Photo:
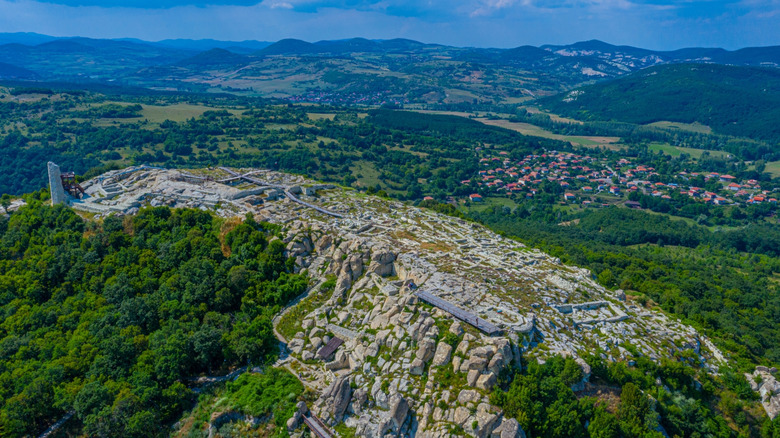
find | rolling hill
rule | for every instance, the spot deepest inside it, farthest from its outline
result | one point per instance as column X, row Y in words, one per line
column 8, row 71
column 351, row 71
column 739, row 101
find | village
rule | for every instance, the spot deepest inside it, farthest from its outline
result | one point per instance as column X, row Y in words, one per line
column 596, row 182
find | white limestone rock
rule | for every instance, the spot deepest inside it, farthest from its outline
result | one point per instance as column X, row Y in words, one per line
column 442, row 355
column 416, row 367
column 509, row 428
column 486, row 381
column 425, row 350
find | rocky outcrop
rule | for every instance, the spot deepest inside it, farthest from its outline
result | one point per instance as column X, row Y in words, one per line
column 219, row 418
column 486, row 420
column 416, row 367
column 336, row 398
column 426, row 349
column 382, row 262
column 442, row 355
column 295, row 421
column 509, row 428
column 399, row 409
column 486, row 381
column 764, row 382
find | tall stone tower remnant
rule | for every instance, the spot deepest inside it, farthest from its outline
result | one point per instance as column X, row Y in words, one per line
column 55, row 185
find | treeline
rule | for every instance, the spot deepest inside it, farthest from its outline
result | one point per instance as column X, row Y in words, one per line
column 111, row 320
column 111, row 111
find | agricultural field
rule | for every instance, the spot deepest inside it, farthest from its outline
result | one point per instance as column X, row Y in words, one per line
column 676, row 151
column 773, row 168
column 690, row 127
column 529, row 129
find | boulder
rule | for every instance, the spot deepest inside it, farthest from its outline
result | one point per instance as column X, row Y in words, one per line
column 337, row 397
column 381, row 400
column 359, row 399
column 463, row 347
column 486, row 381
column 355, row 267
column 425, row 351
column 372, row 350
column 496, row 363
column 294, row 421
column 477, row 363
column 296, row 345
column 486, row 420
column 343, row 283
column 456, row 329
column 382, row 262
column 472, row 377
column 456, row 363
column 416, row 367
column 484, row 352
column 461, row 415
column 467, row 396
column 509, row 428
column 380, row 321
column 399, row 408
column 442, row 355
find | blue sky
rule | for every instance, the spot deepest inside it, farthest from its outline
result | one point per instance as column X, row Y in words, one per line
column 654, row 24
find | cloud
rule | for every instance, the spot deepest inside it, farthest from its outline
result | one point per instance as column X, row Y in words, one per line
column 274, row 4
column 152, row 4
column 488, row 7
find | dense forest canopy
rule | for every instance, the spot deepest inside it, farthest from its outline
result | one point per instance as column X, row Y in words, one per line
column 111, row 319
column 738, row 101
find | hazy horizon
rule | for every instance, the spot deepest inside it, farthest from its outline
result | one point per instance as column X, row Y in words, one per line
column 239, row 41
column 651, row 24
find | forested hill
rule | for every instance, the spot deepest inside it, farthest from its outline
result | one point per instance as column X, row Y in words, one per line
column 108, row 319
column 739, row 101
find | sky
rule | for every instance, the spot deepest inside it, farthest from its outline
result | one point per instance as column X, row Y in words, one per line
column 652, row 24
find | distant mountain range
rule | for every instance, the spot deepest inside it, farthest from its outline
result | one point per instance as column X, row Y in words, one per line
column 356, row 70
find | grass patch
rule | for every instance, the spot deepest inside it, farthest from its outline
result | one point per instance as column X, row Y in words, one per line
column 773, row 168
column 676, row 151
column 290, row 322
column 271, row 396
column 690, row 127
column 491, row 201
column 179, row 112
column 274, row 393
column 536, row 131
